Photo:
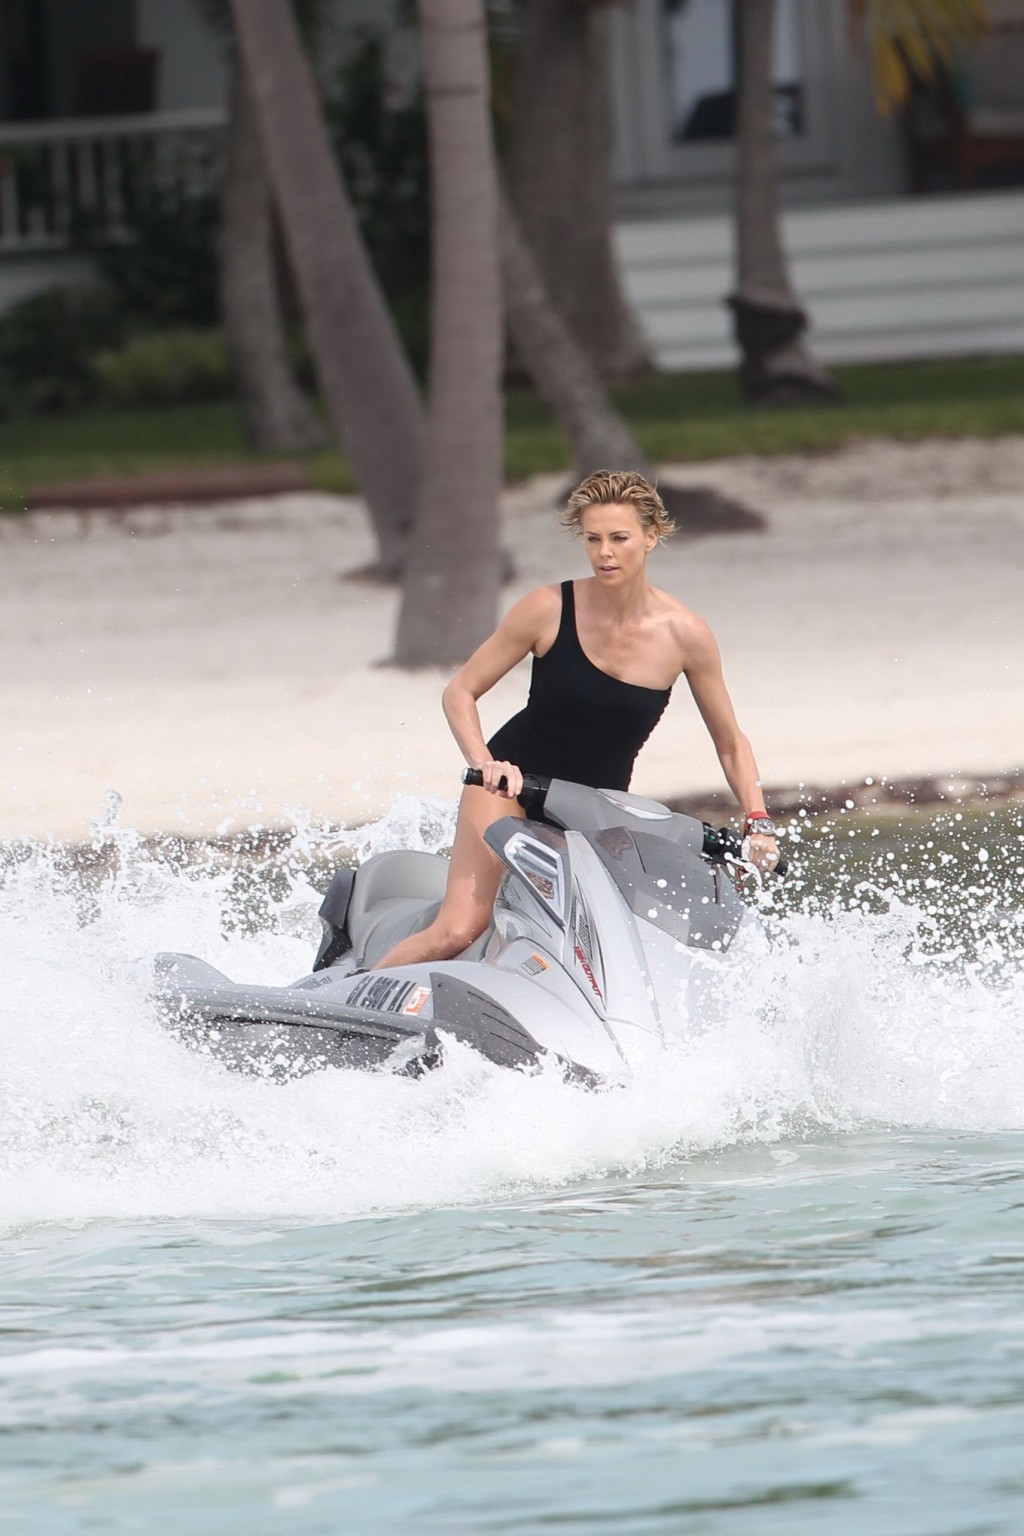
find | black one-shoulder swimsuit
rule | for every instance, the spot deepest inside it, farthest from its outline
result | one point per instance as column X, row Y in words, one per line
column 579, row 723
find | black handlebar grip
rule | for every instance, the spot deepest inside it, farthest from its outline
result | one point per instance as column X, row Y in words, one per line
column 535, row 789
column 474, row 777
column 723, row 842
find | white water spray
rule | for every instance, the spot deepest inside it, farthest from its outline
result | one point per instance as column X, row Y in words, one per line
column 862, row 1010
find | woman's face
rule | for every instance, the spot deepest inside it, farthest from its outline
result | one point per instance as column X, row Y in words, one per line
column 616, row 543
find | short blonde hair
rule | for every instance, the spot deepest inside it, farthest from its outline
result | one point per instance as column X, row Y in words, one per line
column 619, row 487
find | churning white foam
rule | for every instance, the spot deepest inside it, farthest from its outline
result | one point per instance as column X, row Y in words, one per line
column 848, row 1014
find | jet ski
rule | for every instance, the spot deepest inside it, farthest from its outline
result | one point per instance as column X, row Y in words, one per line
column 611, row 909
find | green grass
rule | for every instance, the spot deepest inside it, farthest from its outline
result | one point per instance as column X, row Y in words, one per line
column 692, row 416
column 677, row 416
column 36, row 450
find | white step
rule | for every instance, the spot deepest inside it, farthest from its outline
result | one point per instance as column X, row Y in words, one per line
column 913, row 278
column 819, row 276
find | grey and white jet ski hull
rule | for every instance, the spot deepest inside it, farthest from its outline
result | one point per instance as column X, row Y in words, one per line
column 610, row 908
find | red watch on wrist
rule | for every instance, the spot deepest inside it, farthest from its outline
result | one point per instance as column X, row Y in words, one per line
column 759, row 822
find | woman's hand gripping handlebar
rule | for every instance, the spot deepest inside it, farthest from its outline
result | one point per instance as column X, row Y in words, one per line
column 721, row 843
column 474, row 777
column 535, row 788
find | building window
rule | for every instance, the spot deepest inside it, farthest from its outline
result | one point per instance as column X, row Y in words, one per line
column 700, row 52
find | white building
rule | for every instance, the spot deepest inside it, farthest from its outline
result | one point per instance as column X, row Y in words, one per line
column 883, row 271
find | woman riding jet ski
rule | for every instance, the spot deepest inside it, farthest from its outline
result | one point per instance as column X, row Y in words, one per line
column 611, row 910
column 606, row 653
column 606, row 902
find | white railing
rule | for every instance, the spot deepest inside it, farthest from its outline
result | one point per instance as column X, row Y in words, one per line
column 58, row 176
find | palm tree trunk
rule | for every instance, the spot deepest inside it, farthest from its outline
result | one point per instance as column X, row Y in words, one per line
column 564, row 376
column 562, row 372
column 365, row 378
column 768, row 321
column 450, row 597
column 559, row 175
column 275, row 412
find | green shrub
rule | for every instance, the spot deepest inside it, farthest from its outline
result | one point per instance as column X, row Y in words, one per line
column 47, row 343
column 161, row 261
column 166, row 368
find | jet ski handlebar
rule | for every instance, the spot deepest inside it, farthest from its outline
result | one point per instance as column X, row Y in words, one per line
column 720, row 843
column 474, row 777
column 535, row 788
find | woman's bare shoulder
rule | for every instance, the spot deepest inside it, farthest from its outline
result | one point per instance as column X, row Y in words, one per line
column 533, row 614
column 529, row 623
column 689, row 630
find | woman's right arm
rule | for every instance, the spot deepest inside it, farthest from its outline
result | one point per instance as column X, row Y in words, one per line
column 526, row 623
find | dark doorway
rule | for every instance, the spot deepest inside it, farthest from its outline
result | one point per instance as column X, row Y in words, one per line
column 24, row 61
column 68, row 58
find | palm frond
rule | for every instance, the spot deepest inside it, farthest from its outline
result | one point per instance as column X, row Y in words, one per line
column 913, row 40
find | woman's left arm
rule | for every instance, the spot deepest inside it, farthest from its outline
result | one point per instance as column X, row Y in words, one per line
column 703, row 671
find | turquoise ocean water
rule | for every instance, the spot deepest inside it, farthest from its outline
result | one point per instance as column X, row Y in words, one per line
column 774, row 1286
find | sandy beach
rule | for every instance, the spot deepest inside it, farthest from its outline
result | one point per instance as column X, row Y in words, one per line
column 218, row 666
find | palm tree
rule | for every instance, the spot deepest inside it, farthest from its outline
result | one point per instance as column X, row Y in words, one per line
column 563, row 374
column 560, row 368
column 559, row 167
column 769, row 322
column 908, row 39
column 275, row 412
column 364, row 375
column 450, row 596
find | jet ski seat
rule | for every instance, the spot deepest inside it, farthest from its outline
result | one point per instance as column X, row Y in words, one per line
column 395, row 894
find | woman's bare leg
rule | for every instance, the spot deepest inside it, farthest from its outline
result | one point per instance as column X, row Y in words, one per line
column 473, row 880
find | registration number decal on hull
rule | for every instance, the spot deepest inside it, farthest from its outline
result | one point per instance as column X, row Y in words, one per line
column 389, row 994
